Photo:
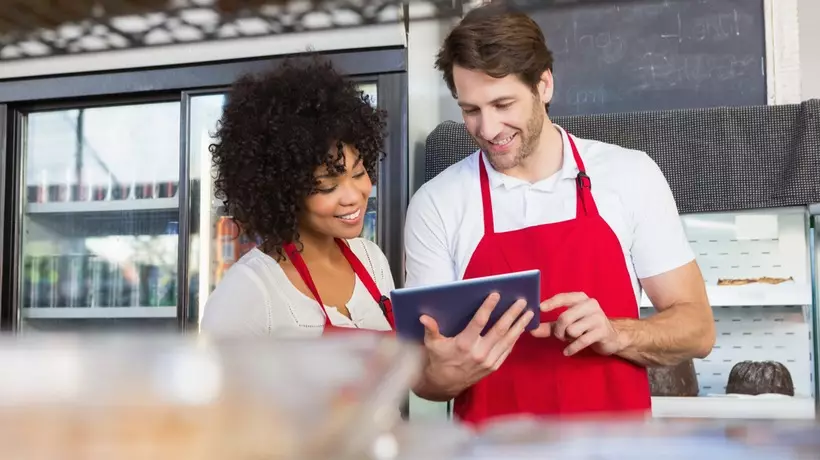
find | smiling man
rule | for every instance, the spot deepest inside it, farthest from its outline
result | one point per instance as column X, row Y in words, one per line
column 598, row 220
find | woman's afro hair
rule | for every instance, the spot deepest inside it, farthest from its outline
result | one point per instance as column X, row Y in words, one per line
column 277, row 128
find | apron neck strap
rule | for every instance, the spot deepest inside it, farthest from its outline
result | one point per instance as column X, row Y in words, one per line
column 359, row 269
column 486, row 200
column 368, row 281
column 584, row 203
column 299, row 264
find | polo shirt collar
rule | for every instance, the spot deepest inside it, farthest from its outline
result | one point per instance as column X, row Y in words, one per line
column 569, row 169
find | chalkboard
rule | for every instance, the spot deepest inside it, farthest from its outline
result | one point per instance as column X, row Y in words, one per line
column 625, row 56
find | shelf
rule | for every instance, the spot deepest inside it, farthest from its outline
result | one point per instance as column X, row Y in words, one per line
column 754, row 295
column 99, row 312
column 82, row 207
column 84, row 219
column 759, row 407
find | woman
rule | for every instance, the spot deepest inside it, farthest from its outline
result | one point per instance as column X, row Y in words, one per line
column 296, row 158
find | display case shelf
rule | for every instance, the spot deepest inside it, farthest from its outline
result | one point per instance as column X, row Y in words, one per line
column 102, row 223
column 99, row 312
column 753, row 407
column 110, row 206
column 754, row 295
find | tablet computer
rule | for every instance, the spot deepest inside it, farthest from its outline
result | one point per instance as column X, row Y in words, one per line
column 454, row 304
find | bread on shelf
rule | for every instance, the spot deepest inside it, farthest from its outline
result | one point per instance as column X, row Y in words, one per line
column 746, row 281
column 679, row 380
column 760, row 377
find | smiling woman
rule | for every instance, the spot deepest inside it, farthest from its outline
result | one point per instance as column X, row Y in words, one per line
column 296, row 156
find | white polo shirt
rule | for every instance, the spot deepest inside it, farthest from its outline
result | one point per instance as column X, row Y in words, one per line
column 444, row 222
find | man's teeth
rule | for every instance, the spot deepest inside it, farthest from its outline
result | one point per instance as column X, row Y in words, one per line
column 351, row 216
column 504, row 141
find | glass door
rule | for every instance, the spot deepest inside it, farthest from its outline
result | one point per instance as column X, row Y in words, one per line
column 100, row 218
column 216, row 243
column 370, row 217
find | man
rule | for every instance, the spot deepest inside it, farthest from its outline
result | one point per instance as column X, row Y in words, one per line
column 598, row 220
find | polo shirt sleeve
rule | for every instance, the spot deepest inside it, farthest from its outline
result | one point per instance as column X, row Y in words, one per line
column 659, row 242
column 238, row 307
column 428, row 258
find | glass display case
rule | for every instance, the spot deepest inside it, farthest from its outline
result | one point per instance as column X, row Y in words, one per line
column 756, row 265
column 100, row 217
column 216, row 242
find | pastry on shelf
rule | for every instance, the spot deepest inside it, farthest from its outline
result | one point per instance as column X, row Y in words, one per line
column 745, row 281
column 760, row 377
column 679, row 380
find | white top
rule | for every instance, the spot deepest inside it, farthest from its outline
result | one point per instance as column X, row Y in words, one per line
column 444, row 220
column 256, row 298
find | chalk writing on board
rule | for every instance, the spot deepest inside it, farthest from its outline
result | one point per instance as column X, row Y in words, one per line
column 655, row 54
column 713, row 27
column 665, row 70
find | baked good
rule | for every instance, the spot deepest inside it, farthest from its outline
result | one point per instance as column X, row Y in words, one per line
column 760, row 377
column 679, row 380
column 745, row 281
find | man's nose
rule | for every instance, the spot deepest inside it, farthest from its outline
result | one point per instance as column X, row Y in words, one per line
column 490, row 127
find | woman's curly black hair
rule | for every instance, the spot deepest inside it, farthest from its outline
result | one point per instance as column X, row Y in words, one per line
column 277, row 128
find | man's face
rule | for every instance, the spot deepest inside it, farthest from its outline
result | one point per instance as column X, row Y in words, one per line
column 502, row 114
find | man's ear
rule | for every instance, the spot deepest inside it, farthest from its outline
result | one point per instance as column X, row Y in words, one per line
column 545, row 87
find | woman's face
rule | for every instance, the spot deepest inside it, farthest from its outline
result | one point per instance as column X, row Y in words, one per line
column 338, row 206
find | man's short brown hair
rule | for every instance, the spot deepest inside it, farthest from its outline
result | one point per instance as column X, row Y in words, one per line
column 498, row 41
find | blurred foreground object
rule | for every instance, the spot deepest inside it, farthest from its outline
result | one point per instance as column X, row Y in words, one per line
column 174, row 397
column 614, row 439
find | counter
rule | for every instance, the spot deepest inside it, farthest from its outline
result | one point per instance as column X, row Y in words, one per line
column 731, row 407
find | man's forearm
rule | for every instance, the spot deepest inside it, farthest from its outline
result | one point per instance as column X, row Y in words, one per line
column 668, row 337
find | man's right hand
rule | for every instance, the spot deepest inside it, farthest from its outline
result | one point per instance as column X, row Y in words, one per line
column 456, row 363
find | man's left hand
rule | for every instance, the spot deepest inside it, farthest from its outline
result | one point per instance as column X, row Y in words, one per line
column 583, row 323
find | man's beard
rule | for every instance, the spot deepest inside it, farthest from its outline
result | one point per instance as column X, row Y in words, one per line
column 529, row 140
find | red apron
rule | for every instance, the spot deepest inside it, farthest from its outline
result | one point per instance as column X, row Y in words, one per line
column 579, row 255
column 361, row 272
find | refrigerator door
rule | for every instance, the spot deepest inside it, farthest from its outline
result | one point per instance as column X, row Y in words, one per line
column 100, row 218
column 216, row 243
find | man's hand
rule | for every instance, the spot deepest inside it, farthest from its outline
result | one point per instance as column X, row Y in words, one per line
column 456, row 363
column 583, row 323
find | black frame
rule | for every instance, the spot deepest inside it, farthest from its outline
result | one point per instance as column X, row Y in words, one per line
column 385, row 66
column 4, row 123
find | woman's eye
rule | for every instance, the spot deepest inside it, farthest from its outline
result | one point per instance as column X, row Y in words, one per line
column 360, row 174
column 325, row 190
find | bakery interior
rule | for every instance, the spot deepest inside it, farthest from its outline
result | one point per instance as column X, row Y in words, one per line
column 111, row 88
